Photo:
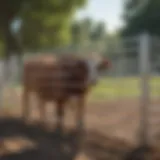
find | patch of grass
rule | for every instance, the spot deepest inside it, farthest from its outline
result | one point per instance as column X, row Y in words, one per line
column 127, row 87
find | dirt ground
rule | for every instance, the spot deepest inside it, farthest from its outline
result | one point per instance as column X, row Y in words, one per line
column 111, row 131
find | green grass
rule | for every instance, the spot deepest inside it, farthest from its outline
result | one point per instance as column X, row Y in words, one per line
column 130, row 87
column 113, row 88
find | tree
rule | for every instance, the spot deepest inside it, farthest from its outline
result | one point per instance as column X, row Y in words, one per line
column 113, row 45
column 141, row 16
column 99, row 35
column 49, row 22
column 41, row 20
column 145, row 18
column 81, row 32
column 76, row 31
column 99, row 31
column 44, row 23
column 89, row 34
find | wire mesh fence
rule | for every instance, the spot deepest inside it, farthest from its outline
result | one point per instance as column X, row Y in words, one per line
column 114, row 103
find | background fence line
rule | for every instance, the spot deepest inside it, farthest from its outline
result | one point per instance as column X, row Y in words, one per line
column 127, row 79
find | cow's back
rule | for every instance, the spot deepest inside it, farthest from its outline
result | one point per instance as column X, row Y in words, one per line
column 76, row 74
column 43, row 76
column 55, row 78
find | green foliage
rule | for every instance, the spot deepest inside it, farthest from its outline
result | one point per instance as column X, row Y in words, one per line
column 93, row 36
column 1, row 49
column 81, row 32
column 146, row 19
column 99, row 32
column 112, row 45
column 44, row 23
column 89, row 34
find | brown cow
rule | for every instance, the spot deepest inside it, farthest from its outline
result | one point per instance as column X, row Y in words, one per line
column 57, row 80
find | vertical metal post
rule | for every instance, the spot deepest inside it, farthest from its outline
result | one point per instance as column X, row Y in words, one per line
column 1, row 82
column 144, row 64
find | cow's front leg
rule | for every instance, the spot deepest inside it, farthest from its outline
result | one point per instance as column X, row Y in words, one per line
column 25, row 105
column 60, row 115
column 41, row 107
column 80, row 112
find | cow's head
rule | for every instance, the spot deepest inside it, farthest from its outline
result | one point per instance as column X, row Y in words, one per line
column 96, row 66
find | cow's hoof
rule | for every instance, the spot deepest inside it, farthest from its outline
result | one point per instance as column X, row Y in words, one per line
column 25, row 121
column 42, row 125
column 59, row 132
column 80, row 125
column 138, row 153
column 59, row 128
column 80, row 130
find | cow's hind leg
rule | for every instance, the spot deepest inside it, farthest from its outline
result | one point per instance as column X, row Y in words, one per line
column 60, row 115
column 80, row 113
column 41, row 107
column 25, row 105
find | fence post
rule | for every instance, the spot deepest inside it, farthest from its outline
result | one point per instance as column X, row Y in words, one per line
column 144, row 64
column 2, row 80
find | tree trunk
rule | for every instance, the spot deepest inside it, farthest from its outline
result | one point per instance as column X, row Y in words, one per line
column 19, row 56
column 8, row 52
column 4, row 77
column 13, row 46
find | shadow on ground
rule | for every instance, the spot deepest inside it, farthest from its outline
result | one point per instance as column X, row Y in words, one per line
column 53, row 145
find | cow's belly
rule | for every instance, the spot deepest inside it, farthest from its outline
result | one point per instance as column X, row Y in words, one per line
column 55, row 91
column 76, row 91
column 52, row 94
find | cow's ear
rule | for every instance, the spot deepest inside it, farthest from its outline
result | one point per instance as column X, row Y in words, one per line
column 104, row 64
